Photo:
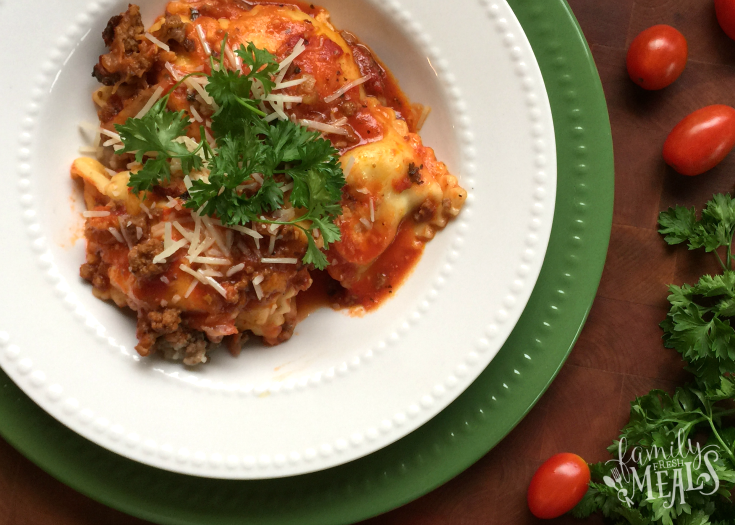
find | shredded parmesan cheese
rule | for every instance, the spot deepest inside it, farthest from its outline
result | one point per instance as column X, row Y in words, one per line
column 233, row 270
column 279, row 260
column 246, row 231
column 272, row 244
column 278, row 108
column 290, row 83
column 173, row 72
column 157, row 42
column 191, row 288
column 148, row 105
column 95, row 213
column 195, row 114
column 161, row 257
column 167, row 238
column 274, row 97
column 321, row 126
column 217, row 286
column 235, row 61
column 203, row 40
column 197, row 232
column 164, row 279
column 186, row 234
column 196, row 275
column 212, row 229
column 146, row 210
column 201, row 248
column 116, row 234
column 283, row 66
column 124, row 233
column 344, row 89
column 269, row 118
column 110, row 134
column 199, row 276
column 256, row 286
column 196, row 86
column 372, row 210
column 215, row 261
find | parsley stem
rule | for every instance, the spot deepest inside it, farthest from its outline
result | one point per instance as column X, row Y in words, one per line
column 251, row 108
column 729, row 250
column 717, row 435
column 719, row 259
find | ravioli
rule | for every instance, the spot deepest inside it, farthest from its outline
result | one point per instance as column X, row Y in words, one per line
column 195, row 281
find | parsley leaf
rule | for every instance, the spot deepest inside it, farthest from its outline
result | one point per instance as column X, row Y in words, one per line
column 231, row 90
column 262, row 65
column 680, row 225
column 156, row 132
column 698, row 326
column 714, row 230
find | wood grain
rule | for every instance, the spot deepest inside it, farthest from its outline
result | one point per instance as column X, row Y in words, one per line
column 619, row 354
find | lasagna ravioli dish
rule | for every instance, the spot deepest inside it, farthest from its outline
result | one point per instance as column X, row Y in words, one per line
column 195, row 281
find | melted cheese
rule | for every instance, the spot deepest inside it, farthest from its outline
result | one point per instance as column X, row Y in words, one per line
column 382, row 193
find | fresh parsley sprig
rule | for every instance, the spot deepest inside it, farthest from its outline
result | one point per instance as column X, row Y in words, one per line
column 660, row 420
column 231, row 90
column 154, row 136
column 246, row 147
column 699, row 323
column 699, row 327
column 714, row 230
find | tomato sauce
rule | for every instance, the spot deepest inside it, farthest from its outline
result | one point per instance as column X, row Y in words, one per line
column 370, row 288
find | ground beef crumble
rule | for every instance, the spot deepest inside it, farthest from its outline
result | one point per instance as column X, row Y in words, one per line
column 130, row 56
column 174, row 29
column 141, row 258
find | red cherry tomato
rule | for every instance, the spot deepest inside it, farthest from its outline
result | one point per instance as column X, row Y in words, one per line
column 701, row 140
column 725, row 10
column 657, row 57
column 558, row 485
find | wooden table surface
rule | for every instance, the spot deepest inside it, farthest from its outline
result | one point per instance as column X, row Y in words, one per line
column 619, row 354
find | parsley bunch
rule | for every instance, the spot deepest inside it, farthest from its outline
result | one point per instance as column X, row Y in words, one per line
column 699, row 326
column 247, row 147
column 660, row 420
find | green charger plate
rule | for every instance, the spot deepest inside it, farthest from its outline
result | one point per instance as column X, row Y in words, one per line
column 464, row 431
